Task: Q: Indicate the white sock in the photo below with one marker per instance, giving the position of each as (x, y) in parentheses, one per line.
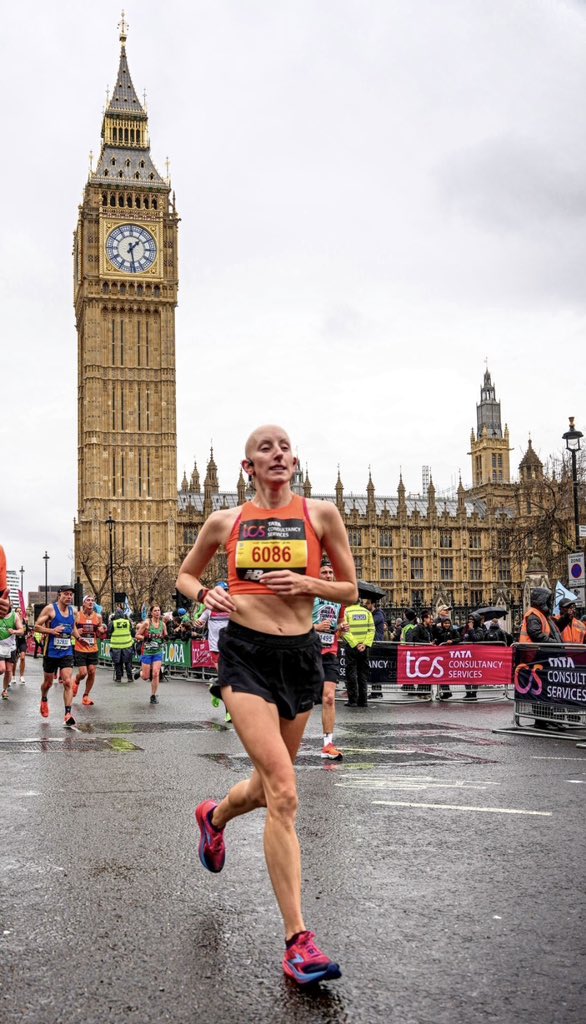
(328, 738)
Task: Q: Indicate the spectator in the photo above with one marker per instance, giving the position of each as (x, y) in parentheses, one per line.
(380, 623)
(422, 634)
(445, 634)
(396, 630)
(410, 625)
(474, 633)
(121, 633)
(572, 629)
(538, 627)
(496, 635)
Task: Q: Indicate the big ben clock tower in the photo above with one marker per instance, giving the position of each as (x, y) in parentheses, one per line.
(125, 287)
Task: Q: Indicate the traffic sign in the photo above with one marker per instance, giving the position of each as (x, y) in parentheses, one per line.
(576, 568)
(582, 532)
(580, 592)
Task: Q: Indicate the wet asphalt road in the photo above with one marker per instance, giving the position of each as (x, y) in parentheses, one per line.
(436, 914)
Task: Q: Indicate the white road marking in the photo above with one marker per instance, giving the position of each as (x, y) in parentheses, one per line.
(461, 807)
(555, 757)
(577, 782)
(408, 782)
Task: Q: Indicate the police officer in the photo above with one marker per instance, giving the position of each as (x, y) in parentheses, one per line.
(121, 635)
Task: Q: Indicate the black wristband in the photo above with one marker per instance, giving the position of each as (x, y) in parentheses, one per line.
(201, 596)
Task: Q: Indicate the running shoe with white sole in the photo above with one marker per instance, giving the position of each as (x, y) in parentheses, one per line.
(331, 752)
(305, 962)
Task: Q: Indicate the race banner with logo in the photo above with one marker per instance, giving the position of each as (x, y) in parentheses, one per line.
(476, 664)
(201, 656)
(176, 653)
(550, 677)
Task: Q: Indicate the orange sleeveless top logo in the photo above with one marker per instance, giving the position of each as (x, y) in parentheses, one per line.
(268, 539)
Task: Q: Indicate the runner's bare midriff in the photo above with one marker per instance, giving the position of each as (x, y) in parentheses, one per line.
(273, 614)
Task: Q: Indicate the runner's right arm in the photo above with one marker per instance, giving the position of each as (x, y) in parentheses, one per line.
(42, 624)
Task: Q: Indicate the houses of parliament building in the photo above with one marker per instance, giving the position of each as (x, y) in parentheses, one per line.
(418, 549)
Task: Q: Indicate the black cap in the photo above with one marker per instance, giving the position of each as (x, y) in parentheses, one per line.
(67, 587)
(567, 602)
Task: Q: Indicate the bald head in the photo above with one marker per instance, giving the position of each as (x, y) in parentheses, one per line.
(269, 432)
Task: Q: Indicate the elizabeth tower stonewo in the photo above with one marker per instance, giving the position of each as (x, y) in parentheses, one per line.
(125, 287)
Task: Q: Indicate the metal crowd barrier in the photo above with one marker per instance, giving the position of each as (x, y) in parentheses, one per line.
(396, 670)
(550, 684)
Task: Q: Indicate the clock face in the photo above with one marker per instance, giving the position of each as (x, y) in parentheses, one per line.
(131, 249)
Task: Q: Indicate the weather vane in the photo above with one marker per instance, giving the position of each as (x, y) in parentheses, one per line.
(123, 28)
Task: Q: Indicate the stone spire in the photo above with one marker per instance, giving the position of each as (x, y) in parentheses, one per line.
(461, 497)
(210, 484)
(370, 505)
(402, 504)
(307, 484)
(297, 479)
(339, 493)
(194, 483)
(184, 483)
(431, 506)
(125, 155)
(530, 466)
(241, 488)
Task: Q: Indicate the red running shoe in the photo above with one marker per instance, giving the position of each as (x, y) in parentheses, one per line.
(45, 708)
(75, 687)
(212, 852)
(305, 963)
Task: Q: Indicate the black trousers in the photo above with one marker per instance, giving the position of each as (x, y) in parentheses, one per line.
(122, 660)
(357, 675)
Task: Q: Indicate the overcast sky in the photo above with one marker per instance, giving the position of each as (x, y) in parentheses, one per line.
(375, 195)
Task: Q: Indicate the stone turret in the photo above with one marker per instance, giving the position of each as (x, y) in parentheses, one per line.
(307, 484)
(431, 506)
(402, 503)
(241, 488)
(370, 504)
(184, 483)
(194, 483)
(339, 493)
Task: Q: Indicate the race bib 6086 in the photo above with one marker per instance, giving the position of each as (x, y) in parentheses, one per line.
(265, 545)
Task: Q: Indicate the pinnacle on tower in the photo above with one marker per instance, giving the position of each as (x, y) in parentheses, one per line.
(125, 154)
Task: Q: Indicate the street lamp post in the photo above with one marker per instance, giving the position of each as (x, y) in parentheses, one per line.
(21, 571)
(572, 438)
(110, 525)
(46, 561)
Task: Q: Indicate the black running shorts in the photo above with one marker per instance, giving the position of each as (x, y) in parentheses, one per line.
(283, 670)
(83, 659)
(52, 665)
(331, 668)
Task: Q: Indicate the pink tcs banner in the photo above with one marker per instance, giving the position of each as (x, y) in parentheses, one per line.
(480, 664)
(201, 656)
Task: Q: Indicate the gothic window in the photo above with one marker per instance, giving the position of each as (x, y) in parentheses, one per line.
(113, 473)
(112, 200)
(355, 536)
(446, 568)
(113, 407)
(137, 176)
(386, 538)
(122, 475)
(386, 568)
(476, 598)
(132, 140)
(358, 564)
(138, 134)
(129, 200)
(155, 204)
(417, 568)
(146, 203)
(104, 199)
(416, 598)
(415, 538)
(475, 540)
(126, 134)
(445, 539)
(139, 470)
(148, 475)
(121, 175)
(157, 291)
(120, 198)
(113, 161)
(476, 569)
(504, 570)
(106, 175)
(142, 164)
(189, 535)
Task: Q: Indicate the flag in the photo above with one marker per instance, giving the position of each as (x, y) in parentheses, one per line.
(127, 608)
(144, 611)
(560, 593)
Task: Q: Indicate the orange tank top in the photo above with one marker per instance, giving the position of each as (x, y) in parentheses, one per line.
(267, 539)
(86, 627)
